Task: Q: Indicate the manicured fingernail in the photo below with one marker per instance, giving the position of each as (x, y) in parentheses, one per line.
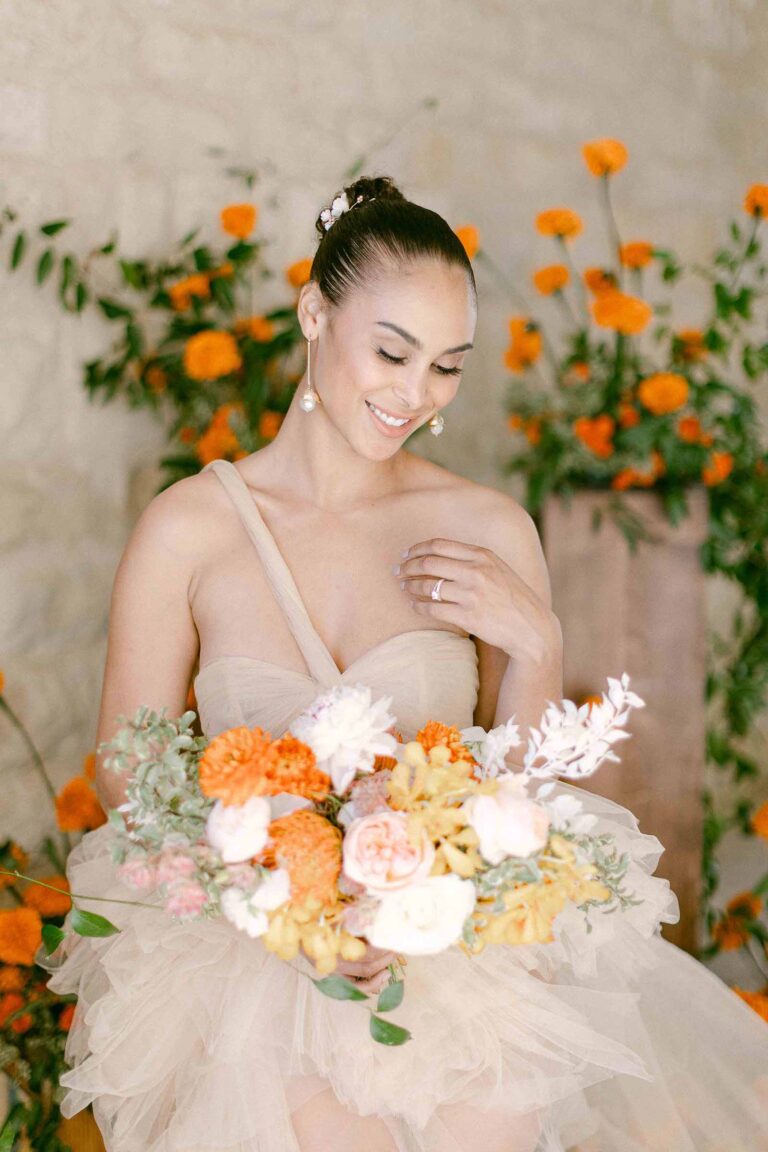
(396, 569)
(405, 553)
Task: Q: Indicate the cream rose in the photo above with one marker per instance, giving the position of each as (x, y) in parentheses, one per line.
(423, 918)
(379, 855)
(239, 831)
(507, 822)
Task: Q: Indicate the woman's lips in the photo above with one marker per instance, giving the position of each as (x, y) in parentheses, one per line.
(390, 429)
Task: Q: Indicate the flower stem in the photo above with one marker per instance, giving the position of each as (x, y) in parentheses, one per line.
(79, 895)
(37, 760)
(612, 226)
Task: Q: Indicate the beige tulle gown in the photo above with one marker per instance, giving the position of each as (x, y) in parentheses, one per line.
(191, 1037)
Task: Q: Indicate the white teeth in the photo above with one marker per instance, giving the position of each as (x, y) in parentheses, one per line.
(384, 417)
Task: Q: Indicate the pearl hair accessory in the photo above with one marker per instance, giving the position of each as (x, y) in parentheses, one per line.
(311, 397)
(339, 205)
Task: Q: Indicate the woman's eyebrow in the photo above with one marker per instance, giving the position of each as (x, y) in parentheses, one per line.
(416, 342)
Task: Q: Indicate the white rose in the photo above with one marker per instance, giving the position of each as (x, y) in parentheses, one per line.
(508, 823)
(423, 918)
(248, 912)
(239, 831)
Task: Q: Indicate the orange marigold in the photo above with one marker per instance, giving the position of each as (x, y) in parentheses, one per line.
(309, 847)
(689, 429)
(238, 219)
(690, 344)
(551, 278)
(9, 1003)
(720, 466)
(604, 157)
(77, 806)
(435, 734)
(20, 859)
(233, 766)
(756, 200)
(470, 239)
(599, 280)
(745, 904)
(756, 1000)
(65, 1017)
(627, 314)
(46, 902)
(595, 433)
(759, 821)
(636, 254)
(156, 378)
(89, 766)
(215, 443)
(11, 979)
(269, 423)
(623, 479)
(525, 344)
(20, 935)
(663, 392)
(297, 274)
(210, 354)
(628, 416)
(533, 430)
(181, 293)
(730, 933)
(561, 222)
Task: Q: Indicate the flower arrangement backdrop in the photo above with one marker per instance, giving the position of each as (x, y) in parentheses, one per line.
(138, 126)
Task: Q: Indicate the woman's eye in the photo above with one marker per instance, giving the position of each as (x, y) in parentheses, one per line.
(401, 360)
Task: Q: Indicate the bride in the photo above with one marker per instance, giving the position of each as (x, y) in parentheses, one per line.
(334, 555)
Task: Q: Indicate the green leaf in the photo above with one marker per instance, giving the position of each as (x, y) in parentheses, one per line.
(54, 227)
(385, 1033)
(339, 988)
(19, 248)
(391, 996)
(81, 296)
(8, 1135)
(44, 265)
(52, 937)
(91, 924)
(112, 310)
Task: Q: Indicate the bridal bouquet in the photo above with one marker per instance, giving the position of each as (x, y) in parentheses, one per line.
(337, 834)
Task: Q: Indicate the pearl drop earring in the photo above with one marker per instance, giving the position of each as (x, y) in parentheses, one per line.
(436, 424)
(310, 397)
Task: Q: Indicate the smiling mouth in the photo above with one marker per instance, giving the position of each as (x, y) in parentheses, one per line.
(389, 418)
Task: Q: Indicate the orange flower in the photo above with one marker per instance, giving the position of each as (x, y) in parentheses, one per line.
(181, 293)
(663, 392)
(298, 273)
(219, 439)
(560, 222)
(756, 1000)
(599, 280)
(595, 433)
(210, 354)
(551, 278)
(46, 902)
(580, 370)
(627, 314)
(434, 734)
(744, 904)
(691, 344)
(20, 935)
(89, 766)
(187, 434)
(11, 979)
(470, 238)
(238, 219)
(65, 1017)
(224, 270)
(689, 429)
(756, 200)
(78, 807)
(156, 379)
(533, 430)
(235, 762)
(628, 416)
(636, 254)
(261, 329)
(720, 466)
(9, 1004)
(269, 423)
(2, 683)
(604, 157)
(760, 821)
(309, 847)
(525, 346)
(516, 422)
(730, 934)
(21, 859)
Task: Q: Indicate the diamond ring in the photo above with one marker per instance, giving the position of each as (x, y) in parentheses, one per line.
(436, 590)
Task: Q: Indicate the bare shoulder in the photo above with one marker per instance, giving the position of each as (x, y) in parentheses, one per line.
(179, 520)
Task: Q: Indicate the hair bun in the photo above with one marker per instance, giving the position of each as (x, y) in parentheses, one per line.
(366, 188)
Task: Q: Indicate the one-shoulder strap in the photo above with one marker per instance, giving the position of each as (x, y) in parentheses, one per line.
(320, 663)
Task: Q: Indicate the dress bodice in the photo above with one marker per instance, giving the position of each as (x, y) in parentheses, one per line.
(429, 673)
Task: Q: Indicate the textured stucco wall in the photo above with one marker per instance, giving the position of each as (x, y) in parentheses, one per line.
(108, 110)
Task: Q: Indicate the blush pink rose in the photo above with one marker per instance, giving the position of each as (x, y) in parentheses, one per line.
(186, 899)
(379, 855)
(138, 873)
(174, 866)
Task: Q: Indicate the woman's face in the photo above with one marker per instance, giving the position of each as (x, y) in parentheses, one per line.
(394, 349)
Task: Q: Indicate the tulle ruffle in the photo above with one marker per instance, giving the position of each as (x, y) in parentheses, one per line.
(191, 1037)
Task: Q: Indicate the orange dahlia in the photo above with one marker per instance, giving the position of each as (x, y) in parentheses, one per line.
(636, 254)
(551, 278)
(604, 157)
(210, 354)
(269, 423)
(309, 847)
(238, 219)
(599, 280)
(435, 734)
(563, 223)
(525, 344)
(297, 274)
(663, 392)
(720, 466)
(234, 764)
(470, 239)
(11, 979)
(77, 806)
(627, 314)
(756, 200)
(46, 902)
(20, 935)
(595, 433)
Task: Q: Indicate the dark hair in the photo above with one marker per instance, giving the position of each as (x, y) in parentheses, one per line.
(383, 229)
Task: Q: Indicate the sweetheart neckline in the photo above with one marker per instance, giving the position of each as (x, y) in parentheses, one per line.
(342, 672)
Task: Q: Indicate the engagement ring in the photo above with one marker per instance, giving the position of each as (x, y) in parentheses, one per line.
(436, 589)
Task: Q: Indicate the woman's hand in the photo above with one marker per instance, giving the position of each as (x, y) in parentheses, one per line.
(371, 973)
(480, 593)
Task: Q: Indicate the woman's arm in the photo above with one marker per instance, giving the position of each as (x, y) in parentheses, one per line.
(152, 644)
